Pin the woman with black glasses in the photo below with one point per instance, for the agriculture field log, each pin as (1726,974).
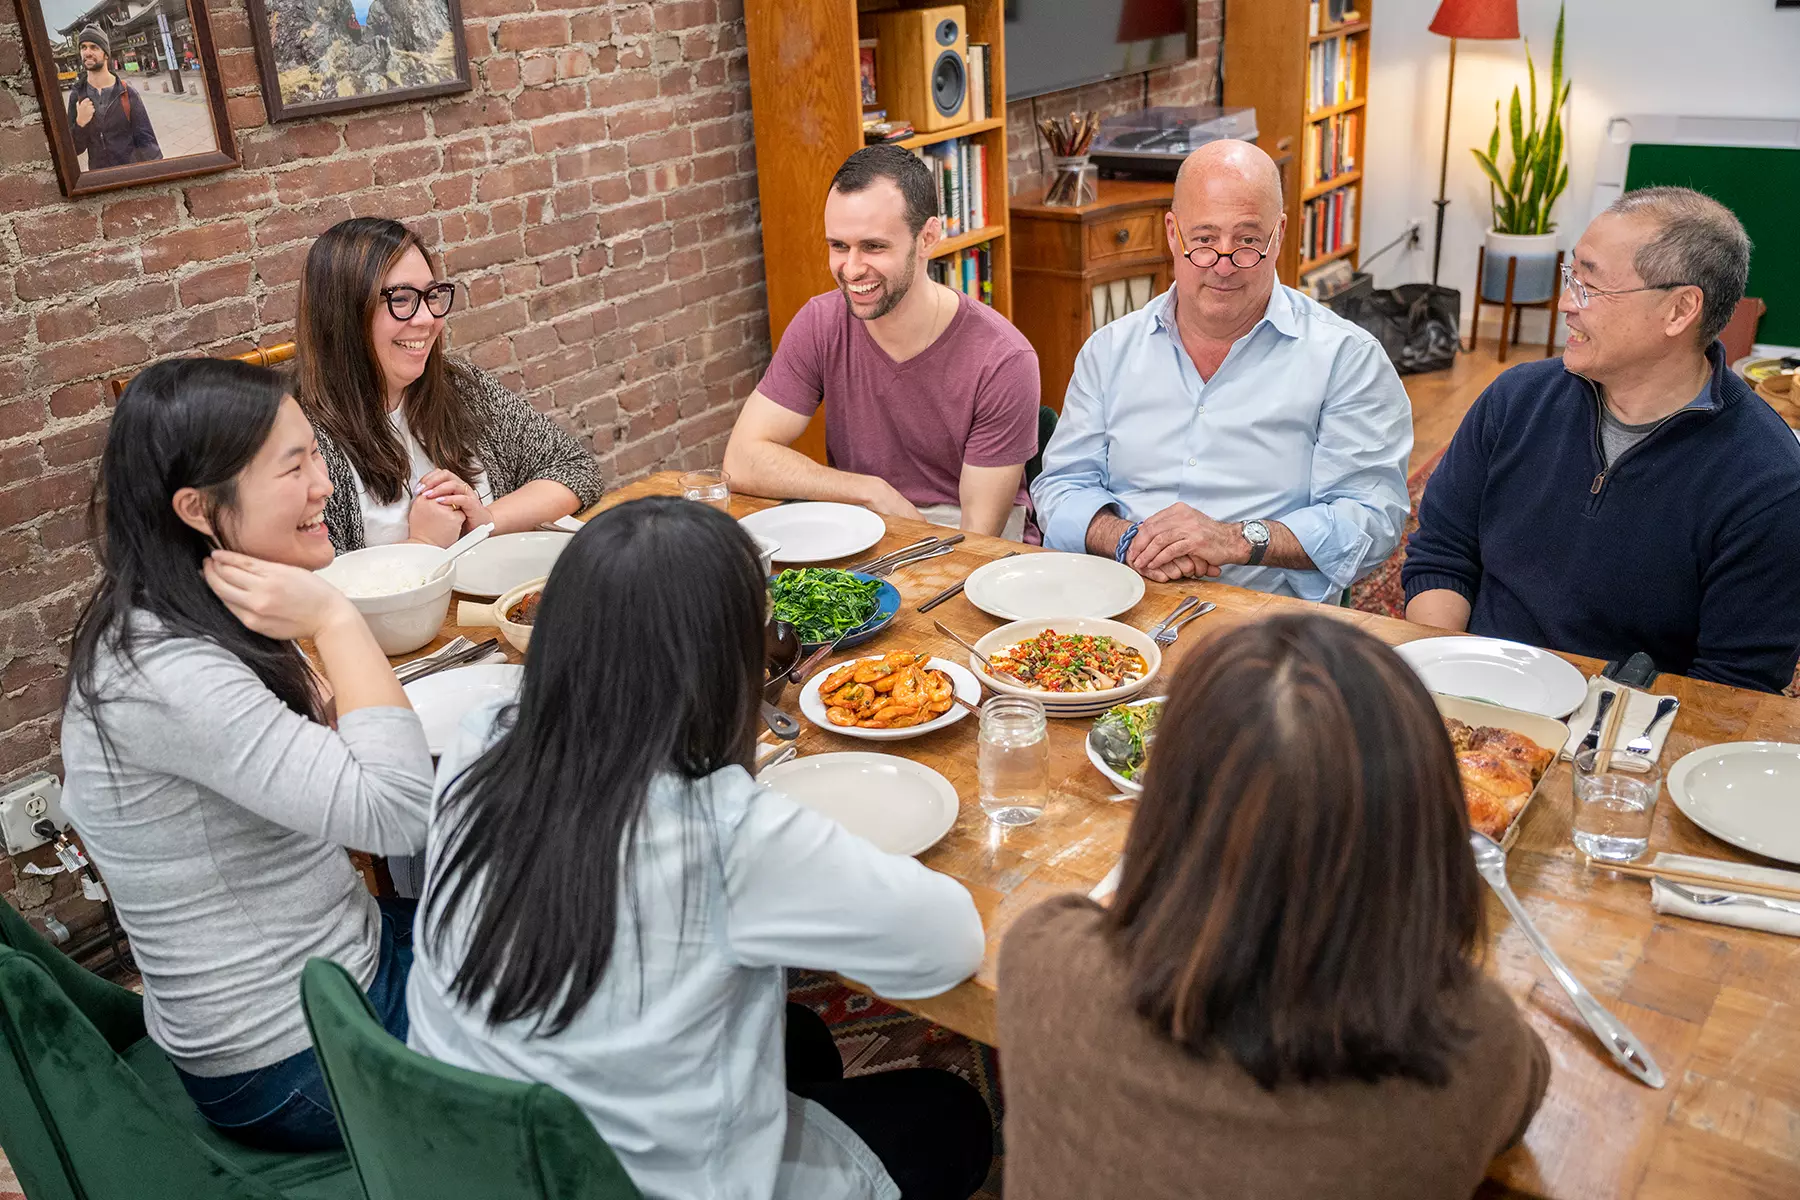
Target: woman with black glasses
(420,447)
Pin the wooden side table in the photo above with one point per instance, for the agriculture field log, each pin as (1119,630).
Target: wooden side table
(1077,269)
(1512,311)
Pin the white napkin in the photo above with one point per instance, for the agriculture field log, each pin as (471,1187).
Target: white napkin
(1640,707)
(1765,913)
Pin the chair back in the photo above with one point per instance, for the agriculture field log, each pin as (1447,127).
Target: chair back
(418,1129)
(1740,333)
(262,356)
(1046,427)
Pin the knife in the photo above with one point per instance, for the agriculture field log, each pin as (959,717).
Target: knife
(1592,739)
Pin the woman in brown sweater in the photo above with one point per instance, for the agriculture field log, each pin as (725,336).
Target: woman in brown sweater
(1280,1001)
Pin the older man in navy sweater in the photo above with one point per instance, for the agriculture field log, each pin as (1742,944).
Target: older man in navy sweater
(1634,495)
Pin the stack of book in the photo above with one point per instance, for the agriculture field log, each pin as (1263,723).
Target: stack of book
(960,168)
(970,271)
(981,100)
(1331,146)
(1333,78)
(1327,223)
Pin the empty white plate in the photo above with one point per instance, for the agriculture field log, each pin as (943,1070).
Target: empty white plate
(903,807)
(817,531)
(1053,584)
(1747,793)
(442,700)
(1510,674)
(967,686)
(500,564)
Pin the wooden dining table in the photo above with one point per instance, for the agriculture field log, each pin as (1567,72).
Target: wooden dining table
(1718,1007)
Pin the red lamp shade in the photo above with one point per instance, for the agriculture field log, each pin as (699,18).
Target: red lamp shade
(1477,19)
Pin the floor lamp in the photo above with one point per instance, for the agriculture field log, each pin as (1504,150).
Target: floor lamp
(1488,19)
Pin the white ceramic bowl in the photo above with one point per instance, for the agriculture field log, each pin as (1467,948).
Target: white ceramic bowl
(386,583)
(502,563)
(1069,704)
(468,612)
(766,550)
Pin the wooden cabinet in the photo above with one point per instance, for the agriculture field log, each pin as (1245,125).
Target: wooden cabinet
(1077,269)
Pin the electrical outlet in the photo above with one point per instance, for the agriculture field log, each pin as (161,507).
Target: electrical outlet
(37,797)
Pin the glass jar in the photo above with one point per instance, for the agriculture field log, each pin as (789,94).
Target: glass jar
(1013,760)
(1073,182)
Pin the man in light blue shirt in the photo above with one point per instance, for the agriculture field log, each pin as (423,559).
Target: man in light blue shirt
(1232,427)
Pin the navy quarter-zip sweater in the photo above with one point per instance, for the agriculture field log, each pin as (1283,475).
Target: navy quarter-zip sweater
(1687,547)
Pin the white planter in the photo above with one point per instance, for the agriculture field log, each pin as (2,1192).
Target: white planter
(1535,281)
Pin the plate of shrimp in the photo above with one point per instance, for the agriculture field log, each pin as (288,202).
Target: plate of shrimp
(888,697)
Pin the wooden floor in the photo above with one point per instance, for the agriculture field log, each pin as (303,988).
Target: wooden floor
(1440,399)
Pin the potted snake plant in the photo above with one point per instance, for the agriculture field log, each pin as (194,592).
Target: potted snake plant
(1524,193)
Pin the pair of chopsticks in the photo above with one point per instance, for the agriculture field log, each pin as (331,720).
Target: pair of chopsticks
(1699,879)
(451,655)
(1605,746)
(954,589)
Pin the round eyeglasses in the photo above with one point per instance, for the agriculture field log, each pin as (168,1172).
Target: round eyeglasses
(1205,257)
(1584,293)
(403,299)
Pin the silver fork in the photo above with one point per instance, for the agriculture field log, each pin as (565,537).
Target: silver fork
(1641,744)
(886,569)
(1711,899)
(1187,602)
(1167,636)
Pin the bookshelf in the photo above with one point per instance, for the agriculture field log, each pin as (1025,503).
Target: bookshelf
(1307,76)
(806,104)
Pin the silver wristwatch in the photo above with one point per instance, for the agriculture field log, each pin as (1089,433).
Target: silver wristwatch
(1257,534)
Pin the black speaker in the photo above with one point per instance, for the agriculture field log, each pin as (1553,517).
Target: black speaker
(949,82)
(921,72)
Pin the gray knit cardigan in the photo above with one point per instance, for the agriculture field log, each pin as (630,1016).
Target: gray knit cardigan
(515,444)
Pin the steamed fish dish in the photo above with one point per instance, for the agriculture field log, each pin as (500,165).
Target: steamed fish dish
(1122,736)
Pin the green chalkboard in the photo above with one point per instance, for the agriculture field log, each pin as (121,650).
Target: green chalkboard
(1760,185)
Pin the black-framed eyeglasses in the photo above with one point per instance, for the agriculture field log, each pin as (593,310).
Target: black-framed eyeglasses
(1585,292)
(403,299)
(1205,257)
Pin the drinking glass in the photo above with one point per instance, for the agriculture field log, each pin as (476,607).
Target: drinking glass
(1613,808)
(1013,760)
(712,488)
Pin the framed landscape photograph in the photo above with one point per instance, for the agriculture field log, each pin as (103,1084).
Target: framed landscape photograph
(330,56)
(129,91)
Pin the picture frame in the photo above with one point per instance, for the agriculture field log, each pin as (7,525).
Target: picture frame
(161,107)
(415,46)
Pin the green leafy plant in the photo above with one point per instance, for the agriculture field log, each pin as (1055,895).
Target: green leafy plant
(1523,195)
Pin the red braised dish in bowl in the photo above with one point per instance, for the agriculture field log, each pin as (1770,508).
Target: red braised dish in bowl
(525,611)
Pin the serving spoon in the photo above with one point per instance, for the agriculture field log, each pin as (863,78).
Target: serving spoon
(1619,1041)
(458,548)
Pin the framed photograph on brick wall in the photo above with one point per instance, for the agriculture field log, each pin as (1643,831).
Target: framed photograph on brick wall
(331,56)
(129,91)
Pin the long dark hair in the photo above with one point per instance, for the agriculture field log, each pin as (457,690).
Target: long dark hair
(189,422)
(1297,888)
(646,659)
(339,381)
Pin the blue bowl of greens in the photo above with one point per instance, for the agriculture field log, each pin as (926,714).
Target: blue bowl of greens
(824,604)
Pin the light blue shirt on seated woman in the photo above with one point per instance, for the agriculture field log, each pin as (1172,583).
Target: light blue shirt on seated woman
(1305,422)
(678,1057)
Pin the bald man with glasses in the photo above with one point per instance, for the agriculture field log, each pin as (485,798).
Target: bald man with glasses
(1232,427)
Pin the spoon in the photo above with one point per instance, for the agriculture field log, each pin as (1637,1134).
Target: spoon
(979,656)
(458,548)
(1619,1041)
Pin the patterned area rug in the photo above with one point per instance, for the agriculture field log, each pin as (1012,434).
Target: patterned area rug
(875,1036)
(1379,591)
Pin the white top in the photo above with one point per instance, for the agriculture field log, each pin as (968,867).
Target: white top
(385,524)
(678,1057)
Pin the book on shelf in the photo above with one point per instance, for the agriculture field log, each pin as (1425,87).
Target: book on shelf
(959,168)
(865,59)
(981,103)
(969,271)
(1327,223)
(1329,14)
(1331,147)
(1332,80)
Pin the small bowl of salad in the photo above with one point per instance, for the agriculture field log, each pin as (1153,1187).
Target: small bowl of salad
(1119,743)
(1073,666)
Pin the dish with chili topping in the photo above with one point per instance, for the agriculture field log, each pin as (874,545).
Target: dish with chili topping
(1071,662)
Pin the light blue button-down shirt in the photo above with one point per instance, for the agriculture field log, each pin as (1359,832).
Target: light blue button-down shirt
(1305,422)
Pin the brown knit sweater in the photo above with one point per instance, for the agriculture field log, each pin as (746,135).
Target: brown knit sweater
(1101,1105)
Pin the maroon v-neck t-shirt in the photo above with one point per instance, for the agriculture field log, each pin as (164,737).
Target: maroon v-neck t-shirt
(969,397)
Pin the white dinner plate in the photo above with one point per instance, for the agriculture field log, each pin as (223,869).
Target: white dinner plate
(500,564)
(1510,674)
(442,700)
(1747,793)
(967,686)
(1053,584)
(901,806)
(817,531)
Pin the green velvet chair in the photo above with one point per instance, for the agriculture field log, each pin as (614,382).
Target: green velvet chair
(91,1109)
(419,1129)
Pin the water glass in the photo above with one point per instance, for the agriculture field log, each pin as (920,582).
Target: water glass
(1613,808)
(1013,757)
(712,488)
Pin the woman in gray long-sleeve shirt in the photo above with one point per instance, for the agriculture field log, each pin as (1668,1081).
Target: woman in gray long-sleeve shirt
(203,771)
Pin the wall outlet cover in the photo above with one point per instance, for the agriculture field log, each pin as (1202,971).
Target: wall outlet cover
(24,803)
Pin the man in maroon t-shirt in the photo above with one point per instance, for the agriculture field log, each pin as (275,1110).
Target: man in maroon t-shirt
(932,396)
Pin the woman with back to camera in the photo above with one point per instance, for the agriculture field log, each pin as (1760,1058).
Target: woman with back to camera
(1280,1001)
(611,898)
(203,770)
(421,447)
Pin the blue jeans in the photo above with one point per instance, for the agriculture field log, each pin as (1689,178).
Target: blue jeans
(285,1106)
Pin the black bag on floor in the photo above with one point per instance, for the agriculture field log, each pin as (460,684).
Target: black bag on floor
(1418,324)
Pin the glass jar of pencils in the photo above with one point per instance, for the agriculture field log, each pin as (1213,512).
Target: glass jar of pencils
(1074,181)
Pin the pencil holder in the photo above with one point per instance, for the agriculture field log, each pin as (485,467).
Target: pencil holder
(1074,181)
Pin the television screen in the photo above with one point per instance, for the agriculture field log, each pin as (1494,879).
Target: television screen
(1056,44)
